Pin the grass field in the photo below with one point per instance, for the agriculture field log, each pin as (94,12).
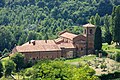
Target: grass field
(89,57)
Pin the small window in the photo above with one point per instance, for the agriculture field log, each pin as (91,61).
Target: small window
(85,31)
(33,58)
(91,32)
(81,49)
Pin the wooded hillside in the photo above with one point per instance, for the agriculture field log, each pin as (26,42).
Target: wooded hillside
(24,20)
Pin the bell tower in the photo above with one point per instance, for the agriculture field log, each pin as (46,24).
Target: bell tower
(89,31)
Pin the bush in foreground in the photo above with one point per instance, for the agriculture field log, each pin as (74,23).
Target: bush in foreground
(57,70)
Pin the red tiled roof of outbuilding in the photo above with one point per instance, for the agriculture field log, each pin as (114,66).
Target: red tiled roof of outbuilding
(66,45)
(68,35)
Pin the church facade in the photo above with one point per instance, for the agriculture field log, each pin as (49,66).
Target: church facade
(68,45)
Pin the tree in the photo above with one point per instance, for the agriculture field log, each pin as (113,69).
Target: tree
(108,35)
(46,36)
(1,69)
(97,20)
(92,20)
(9,66)
(2,3)
(116,25)
(18,58)
(117,56)
(6,39)
(5,51)
(98,39)
(32,36)
(103,66)
(57,70)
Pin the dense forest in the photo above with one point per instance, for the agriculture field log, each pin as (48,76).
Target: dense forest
(24,20)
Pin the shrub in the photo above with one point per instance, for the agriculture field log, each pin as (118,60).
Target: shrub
(103,66)
(117,57)
(104,53)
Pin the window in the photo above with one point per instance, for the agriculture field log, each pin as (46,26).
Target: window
(91,32)
(33,58)
(85,31)
(37,57)
(81,49)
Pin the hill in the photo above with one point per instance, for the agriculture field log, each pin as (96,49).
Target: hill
(26,20)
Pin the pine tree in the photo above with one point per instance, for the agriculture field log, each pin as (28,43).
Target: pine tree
(98,39)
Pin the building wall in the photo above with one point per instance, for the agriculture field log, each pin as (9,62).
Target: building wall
(42,55)
(68,53)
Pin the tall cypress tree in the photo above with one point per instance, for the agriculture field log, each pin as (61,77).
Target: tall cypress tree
(98,39)
(116,25)
(108,36)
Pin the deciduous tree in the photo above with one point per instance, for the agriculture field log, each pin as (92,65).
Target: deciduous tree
(18,58)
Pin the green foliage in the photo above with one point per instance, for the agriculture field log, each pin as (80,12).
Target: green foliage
(57,70)
(25,20)
(117,56)
(103,66)
(29,63)
(9,67)
(110,76)
(108,35)
(18,59)
(98,39)
(6,39)
(116,24)
(108,38)
(97,20)
(5,52)
(1,69)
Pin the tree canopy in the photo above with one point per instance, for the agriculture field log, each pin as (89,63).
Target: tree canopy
(23,20)
(18,59)
(57,70)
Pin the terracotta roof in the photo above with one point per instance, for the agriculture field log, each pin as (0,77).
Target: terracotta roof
(83,37)
(40,45)
(89,25)
(68,35)
(36,48)
(66,45)
(40,42)
(58,40)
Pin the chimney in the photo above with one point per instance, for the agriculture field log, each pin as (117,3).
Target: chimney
(45,41)
(33,42)
(29,42)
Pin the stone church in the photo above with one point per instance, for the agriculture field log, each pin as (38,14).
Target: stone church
(68,45)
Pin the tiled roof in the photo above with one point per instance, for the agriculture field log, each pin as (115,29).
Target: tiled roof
(83,37)
(40,42)
(68,35)
(58,40)
(40,45)
(89,25)
(29,48)
(66,45)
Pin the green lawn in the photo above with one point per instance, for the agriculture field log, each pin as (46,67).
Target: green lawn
(89,57)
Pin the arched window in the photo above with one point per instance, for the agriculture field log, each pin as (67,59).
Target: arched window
(91,32)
